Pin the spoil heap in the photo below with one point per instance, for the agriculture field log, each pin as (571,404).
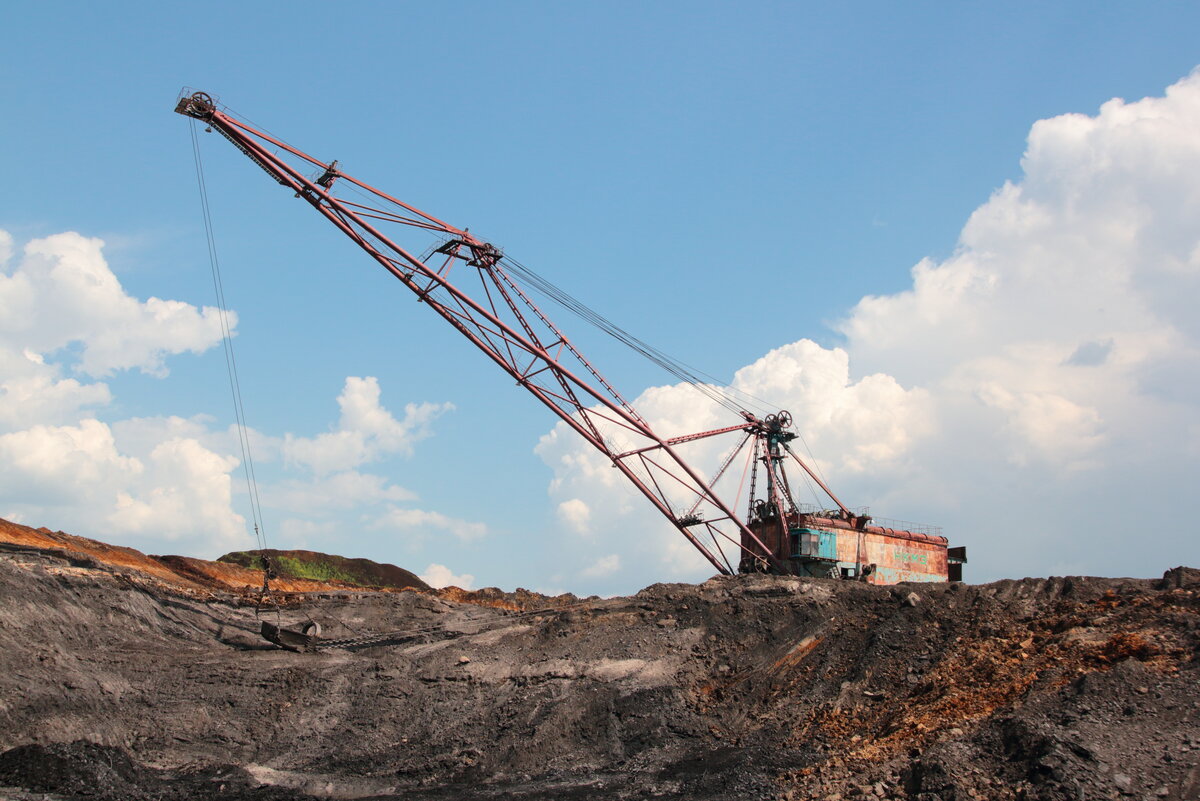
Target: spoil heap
(117,686)
(239,572)
(327,567)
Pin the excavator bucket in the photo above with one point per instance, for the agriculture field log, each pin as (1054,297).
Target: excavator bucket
(298,641)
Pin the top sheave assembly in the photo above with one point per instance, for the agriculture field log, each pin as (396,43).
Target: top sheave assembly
(486,296)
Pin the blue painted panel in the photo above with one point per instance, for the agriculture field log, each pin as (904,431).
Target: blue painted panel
(814,544)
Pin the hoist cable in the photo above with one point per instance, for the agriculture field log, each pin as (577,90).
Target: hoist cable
(726,395)
(235,387)
(712,389)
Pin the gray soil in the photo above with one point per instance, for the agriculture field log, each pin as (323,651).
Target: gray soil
(115,687)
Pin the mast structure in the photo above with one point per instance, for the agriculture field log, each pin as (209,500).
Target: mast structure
(499,318)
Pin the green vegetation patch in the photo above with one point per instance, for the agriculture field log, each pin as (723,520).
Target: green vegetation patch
(316,570)
(316,566)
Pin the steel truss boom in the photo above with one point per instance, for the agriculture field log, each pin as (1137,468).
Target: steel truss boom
(501,320)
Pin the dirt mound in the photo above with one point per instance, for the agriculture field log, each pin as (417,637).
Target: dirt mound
(87,552)
(86,770)
(304,571)
(328,568)
(78,768)
(741,687)
(1179,577)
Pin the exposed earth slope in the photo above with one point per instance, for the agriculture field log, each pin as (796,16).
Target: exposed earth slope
(241,571)
(118,683)
(328,567)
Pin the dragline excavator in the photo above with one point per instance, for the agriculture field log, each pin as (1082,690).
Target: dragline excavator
(498,316)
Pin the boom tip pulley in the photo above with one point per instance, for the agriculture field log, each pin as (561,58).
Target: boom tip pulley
(198,104)
(775,425)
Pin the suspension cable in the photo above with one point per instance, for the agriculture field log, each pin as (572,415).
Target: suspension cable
(713,389)
(724,394)
(720,392)
(235,387)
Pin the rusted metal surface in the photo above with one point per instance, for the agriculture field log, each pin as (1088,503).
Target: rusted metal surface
(816,545)
(297,641)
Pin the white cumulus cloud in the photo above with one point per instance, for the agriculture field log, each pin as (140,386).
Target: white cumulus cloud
(65,321)
(43,398)
(576,514)
(1036,391)
(348,490)
(365,432)
(604,566)
(187,488)
(63,310)
(81,479)
(63,292)
(439,576)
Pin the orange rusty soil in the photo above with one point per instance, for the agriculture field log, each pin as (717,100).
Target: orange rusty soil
(197,577)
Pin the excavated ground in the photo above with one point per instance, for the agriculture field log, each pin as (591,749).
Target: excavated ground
(117,685)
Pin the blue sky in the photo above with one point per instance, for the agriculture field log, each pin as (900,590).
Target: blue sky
(722,180)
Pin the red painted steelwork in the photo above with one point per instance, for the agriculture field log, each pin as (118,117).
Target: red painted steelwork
(500,319)
(505,324)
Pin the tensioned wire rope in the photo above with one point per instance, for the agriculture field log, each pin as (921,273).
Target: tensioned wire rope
(720,392)
(235,387)
(725,394)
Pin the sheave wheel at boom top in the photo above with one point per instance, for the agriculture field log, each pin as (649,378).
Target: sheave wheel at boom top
(485,295)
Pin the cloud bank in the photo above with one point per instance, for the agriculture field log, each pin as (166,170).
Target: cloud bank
(1037,392)
(63,310)
(439,576)
(66,323)
(63,293)
(366,431)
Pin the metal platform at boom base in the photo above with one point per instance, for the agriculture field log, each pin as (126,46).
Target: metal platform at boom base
(817,544)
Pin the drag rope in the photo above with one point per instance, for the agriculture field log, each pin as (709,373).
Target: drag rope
(235,386)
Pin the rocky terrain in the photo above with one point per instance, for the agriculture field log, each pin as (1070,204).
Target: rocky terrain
(122,677)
